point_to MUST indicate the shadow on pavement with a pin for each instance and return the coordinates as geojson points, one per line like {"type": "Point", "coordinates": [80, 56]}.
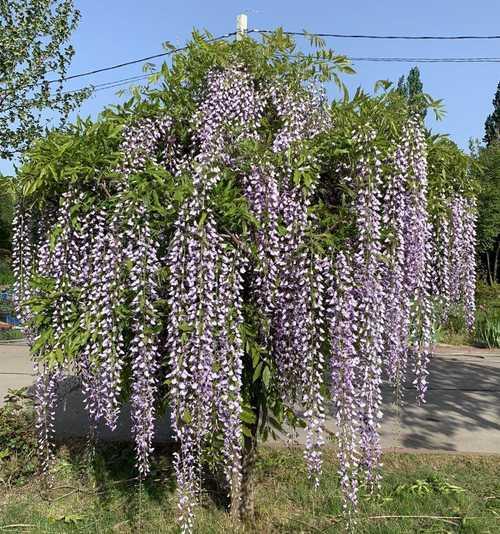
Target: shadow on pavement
{"type": "Point", "coordinates": [462, 412]}
{"type": "Point", "coordinates": [462, 409]}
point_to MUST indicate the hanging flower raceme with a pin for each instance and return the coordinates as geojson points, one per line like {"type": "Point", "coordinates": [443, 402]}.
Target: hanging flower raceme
{"type": "Point", "coordinates": [397, 297]}
{"type": "Point", "coordinates": [442, 286]}
{"type": "Point", "coordinates": [93, 249]}
{"type": "Point", "coordinates": [45, 401]}
{"type": "Point", "coordinates": [397, 301]}
{"type": "Point", "coordinates": [101, 257]}
{"type": "Point", "coordinates": [470, 266]}
{"type": "Point", "coordinates": [261, 189]}
{"type": "Point", "coordinates": [142, 252]}
{"type": "Point", "coordinates": [292, 296]}
{"type": "Point", "coordinates": [462, 274]}
{"type": "Point", "coordinates": [229, 354]}
{"type": "Point", "coordinates": [205, 351]}
{"type": "Point", "coordinates": [22, 260]}
{"type": "Point", "coordinates": [313, 336]}
{"type": "Point", "coordinates": [370, 304]}
{"type": "Point", "coordinates": [344, 365]}
{"type": "Point", "coordinates": [418, 256]}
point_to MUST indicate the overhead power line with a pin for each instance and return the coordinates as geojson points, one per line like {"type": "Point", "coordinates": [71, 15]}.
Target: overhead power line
{"type": "Point", "coordinates": [134, 61]}
{"type": "Point", "coordinates": [116, 83]}
{"type": "Point", "coordinates": [430, 59]}
{"type": "Point", "coordinates": [124, 81]}
{"type": "Point", "coordinates": [403, 37]}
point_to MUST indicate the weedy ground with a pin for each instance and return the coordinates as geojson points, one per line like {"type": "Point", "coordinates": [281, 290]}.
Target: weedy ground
{"type": "Point", "coordinates": [486, 332]}
{"type": "Point", "coordinates": [95, 491]}
{"type": "Point", "coordinates": [11, 335]}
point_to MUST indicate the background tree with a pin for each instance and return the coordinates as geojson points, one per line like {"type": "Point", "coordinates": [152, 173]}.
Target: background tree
{"type": "Point", "coordinates": [34, 50]}
{"type": "Point", "coordinates": [487, 173]}
{"type": "Point", "coordinates": [411, 88]}
{"type": "Point", "coordinates": [492, 124]}
{"type": "Point", "coordinates": [5, 222]}
{"type": "Point", "coordinates": [488, 226]}
{"type": "Point", "coordinates": [6, 213]}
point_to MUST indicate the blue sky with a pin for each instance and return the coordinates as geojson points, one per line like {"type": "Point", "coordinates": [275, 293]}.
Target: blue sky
{"type": "Point", "coordinates": [113, 31]}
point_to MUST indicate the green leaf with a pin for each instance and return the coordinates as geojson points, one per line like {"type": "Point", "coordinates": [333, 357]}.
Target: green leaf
{"type": "Point", "coordinates": [248, 416]}
{"type": "Point", "coordinates": [186, 417]}
{"type": "Point", "coordinates": [203, 217]}
{"type": "Point", "coordinates": [266, 376]}
{"type": "Point", "coordinates": [255, 356]}
{"type": "Point", "coordinates": [257, 372]}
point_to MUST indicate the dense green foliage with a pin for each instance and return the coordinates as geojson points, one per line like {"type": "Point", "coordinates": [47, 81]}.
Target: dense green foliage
{"type": "Point", "coordinates": [6, 214]}
{"type": "Point", "coordinates": [18, 461]}
{"type": "Point", "coordinates": [492, 124]}
{"type": "Point", "coordinates": [34, 50]}
{"type": "Point", "coordinates": [485, 333]}
{"type": "Point", "coordinates": [487, 173]}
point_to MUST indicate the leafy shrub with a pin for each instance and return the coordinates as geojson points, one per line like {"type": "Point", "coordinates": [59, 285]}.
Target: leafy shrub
{"type": "Point", "coordinates": [9, 335]}
{"type": "Point", "coordinates": [18, 441]}
{"type": "Point", "coordinates": [6, 275]}
{"type": "Point", "coordinates": [488, 329]}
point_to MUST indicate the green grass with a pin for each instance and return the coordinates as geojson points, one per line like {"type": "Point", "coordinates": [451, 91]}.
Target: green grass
{"type": "Point", "coordinates": [11, 335]}
{"type": "Point", "coordinates": [487, 332]}
{"type": "Point", "coordinates": [448, 493]}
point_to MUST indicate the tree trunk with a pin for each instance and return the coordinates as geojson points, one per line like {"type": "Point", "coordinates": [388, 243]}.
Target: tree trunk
{"type": "Point", "coordinates": [495, 268]}
{"type": "Point", "coordinates": [243, 508]}
{"type": "Point", "coordinates": [488, 266]}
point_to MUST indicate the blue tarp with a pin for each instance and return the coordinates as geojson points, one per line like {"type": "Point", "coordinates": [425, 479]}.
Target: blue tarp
{"type": "Point", "coordinates": [6, 296]}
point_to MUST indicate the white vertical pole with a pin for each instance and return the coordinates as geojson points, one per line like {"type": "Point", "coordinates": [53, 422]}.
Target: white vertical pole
{"type": "Point", "coordinates": [241, 26]}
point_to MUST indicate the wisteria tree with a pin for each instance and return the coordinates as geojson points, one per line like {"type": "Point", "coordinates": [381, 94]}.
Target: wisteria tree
{"type": "Point", "coordinates": [230, 244]}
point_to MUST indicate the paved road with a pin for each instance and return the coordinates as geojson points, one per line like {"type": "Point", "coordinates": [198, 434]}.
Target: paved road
{"type": "Point", "coordinates": [462, 412]}
{"type": "Point", "coordinates": [16, 370]}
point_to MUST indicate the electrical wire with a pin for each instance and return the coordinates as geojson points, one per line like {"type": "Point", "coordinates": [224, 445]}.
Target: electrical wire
{"type": "Point", "coordinates": [119, 83]}
{"type": "Point", "coordinates": [429, 59]}
{"type": "Point", "coordinates": [403, 37]}
{"type": "Point", "coordinates": [305, 34]}
{"type": "Point", "coordinates": [134, 61]}
{"type": "Point", "coordinates": [124, 81]}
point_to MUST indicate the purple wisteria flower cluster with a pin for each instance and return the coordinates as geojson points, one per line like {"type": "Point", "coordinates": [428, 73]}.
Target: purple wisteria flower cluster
{"type": "Point", "coordinates": [287, 283]}
{"type": "Point", "coordinates": [382, 297]}
{"type": "Point", "coordinates": [462, 267]}
{"type": "Point", "coordinates": [22, 260]}
{"type": "Point", "coordinates": [358, 325]}
{"type": "Point", "coordinates": [164, 305]}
